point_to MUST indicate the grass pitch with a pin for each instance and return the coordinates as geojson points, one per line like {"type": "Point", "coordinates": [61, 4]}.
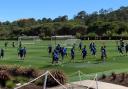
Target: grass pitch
{"type": "Point", "coordinates": [37, 57]}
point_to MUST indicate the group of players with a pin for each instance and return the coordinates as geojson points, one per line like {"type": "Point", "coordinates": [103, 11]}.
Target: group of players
{"type": "Point", "coordinates": [122, 47]}
{"type": "Point", "coordinates": [57, 51]}
{"type": "Point", "coordinates": [21, 50]}
{"type": "Point", "coordinates": [62, 51]}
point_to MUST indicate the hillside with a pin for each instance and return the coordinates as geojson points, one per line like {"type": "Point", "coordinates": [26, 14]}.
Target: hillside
{"type": "Point", "coordinates": [102, 23]}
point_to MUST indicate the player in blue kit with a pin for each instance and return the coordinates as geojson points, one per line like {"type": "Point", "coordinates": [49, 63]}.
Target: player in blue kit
{"type": "Point", "coordinates": [55, 57]}
{"type": "Point", "coordinates": [84, 52]}
{"type": "Point", "coordinates": [2, 53]}
{"type": "Point", "coordinates": [24, 52]}
{"type": "Point", "coordinates": [49, 50]}
{"type": "Point", "coordinates": [72, 54]}
{"type": "Point", "coordinates": [103, 54]}
{"type": "Point", "coordinates": [21, 53]}
{"type": "Point", "coordinates": [80, 45]}
{"type": "Point", "coordinates": [92, 47]}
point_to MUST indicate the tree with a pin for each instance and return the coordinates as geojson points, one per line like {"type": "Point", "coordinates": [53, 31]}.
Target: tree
{"type": "Point", "coordinates": [106, 22]}
{"type": "Point", "coordinates": [65, 30]}
{"type": "Point", "coordinates": [6, 23]}
{"type": "Point", "coordinates": [61, 19]}
{"type": "Point", "coordinates": [82, 15]}
{"type": "Point", "coordinates": [79, 29]}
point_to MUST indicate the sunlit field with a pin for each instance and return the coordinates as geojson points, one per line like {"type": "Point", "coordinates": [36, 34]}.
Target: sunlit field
{"type": "Point", "coordinates": [37, 57]}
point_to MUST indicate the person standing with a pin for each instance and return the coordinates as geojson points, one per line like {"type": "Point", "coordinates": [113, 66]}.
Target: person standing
{"type": "Point", "coordinates": [103, 54]}
{"type": "Point", "coordinates": [72, 54]}
{"type": "Point", "coordinates": [55, 57]}
{"type": "Point", "coordinates": [21, 53]}
{"type": "Point", "coordinates": [13, 44]}
{"type": "Point", "coordinates": [20, 44]}
{"type": "Point", "coordinates": [122, 45]}
{"type": "Point", "coordinates": [80, 45]}
{"type": "Point", "coordinates": [2, 53]}
{"type": "Point", "coordinates": [126, 48]}
{"type": "Point", "coordinates": [62, 53]}
{"type": "Point", "coordinates": [24, 52]}
{"type": "Point", "coordinates": [91, 47]}
{"type": "Point", "coordinates": [84, 52]}
{"type": "Point", "coordinates": [94, 51]}
{"type": "Point", "coordinates": [120, 50]}
{"type": "Point", "coordinates": [65, 51]}
{"type": "Point", "coordinates": [49, 50]}
{"type": "Point", "coordinates": [6, 44]}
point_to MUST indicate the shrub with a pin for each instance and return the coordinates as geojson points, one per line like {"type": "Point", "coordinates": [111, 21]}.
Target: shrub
{"type": "Point", "coordinates": [4, 76]}
{"type": "Point", "coordinates": [59, 75]}
{"type": "Point", "coordinates": [103, 76]}
{"type": "Point", "coordinates": [113, 76]}
{"type": "Point", "coordinates": [122, 77]}
{"type": "Point", "coordinates": [20, 79]}
{"type": "Point", "coordinates": [3, 68]}
{"type": "Point", "coordinates": [92, 34]}
{"type": "Point", "coordinates": [39, 82]}
{"type": "Point", "coordinates": [78, 35]}
{"type": "Point", "coordinates": [27, 72]}
{"type": "Point", "coordinates": [14, 71]}
{"type": "Point", "coordinates": [10, 84]}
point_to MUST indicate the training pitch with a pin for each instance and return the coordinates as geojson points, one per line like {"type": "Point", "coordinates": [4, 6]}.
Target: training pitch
{"type": "Point", "coordinates": [37, 57]}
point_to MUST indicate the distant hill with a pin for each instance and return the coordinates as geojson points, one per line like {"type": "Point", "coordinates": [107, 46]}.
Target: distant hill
{"type": "Point", "coordinates": [99, 23]}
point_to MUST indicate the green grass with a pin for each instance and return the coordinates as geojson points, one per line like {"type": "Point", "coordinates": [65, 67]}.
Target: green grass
{"type": "Point", "coordinates": [37, 57]}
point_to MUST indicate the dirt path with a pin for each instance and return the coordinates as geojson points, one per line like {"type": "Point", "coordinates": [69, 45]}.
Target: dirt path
{"type": "Point", "coordinates": [101, 85]}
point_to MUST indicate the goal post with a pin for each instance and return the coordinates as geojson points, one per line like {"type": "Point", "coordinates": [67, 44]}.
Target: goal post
{"type": "Point", "coordinates": [28, 39]}
{"type": "Point", "coordinates": [64, 40]}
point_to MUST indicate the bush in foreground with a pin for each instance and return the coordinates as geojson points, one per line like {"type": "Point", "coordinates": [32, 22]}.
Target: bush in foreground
{"type": "Point", "coordinates": [57, 74]}
{"type": "Point", "coordinates": [4, 76]}
{"type": "Point", "coordinates": [26, 72]}
{"type": "Point", "coordinates": [10, 84]}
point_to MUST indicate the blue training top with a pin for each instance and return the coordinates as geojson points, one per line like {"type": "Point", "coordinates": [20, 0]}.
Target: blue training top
{"type": "Point", "coordinates": [65, 50]}
{"type": "Point", "coordinates": [103, 51]}
{"type": "Point", "coordinates": [84, 51]}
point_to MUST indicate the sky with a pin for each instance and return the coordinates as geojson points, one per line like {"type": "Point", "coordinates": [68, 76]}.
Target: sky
{"type": "Point", "coordinates": [18, 9]}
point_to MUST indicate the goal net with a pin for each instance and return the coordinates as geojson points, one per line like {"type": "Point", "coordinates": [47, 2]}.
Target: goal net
{"type": "Point", "coordinates": [66, 40]}
{"type": "Point", "coordinates": [28, 39]}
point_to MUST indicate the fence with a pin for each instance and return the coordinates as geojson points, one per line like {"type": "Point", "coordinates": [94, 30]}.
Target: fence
{"type": "Point", "coordinates": [79, 73]}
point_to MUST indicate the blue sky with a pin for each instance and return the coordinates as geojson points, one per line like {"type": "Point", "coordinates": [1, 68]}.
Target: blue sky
{"type": "Point", "coordinates": [17, 9]}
